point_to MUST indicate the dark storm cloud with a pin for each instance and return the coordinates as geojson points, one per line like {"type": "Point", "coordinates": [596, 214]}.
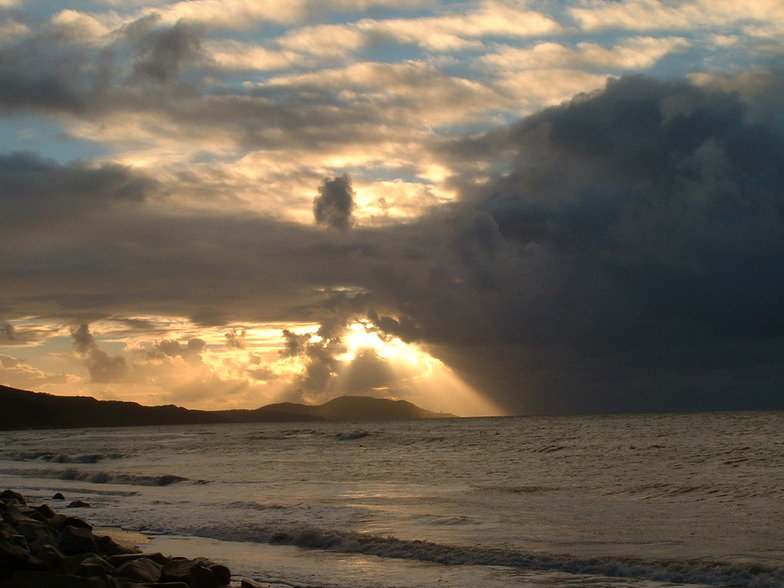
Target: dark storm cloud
{"type": "Point", "coordinates": [334, 204]}
{"type": "Point", "coordinates": [636, 244]}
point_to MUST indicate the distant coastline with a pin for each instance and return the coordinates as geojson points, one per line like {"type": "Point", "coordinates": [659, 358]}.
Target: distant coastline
{"type": "Point", "coordinates": [24, 409]}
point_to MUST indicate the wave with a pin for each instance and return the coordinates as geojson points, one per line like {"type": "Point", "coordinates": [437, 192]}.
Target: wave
{"type": "Point", "coordinates": [695, 491]}
{"type": "Point", "coordinates": [64, 458]}
{"type": "Point", "coordinates": [101, 477]}
{"type": "Point", "coordinates": [111, 478]}
{"type": "Point", "coordinates": [694, 571]}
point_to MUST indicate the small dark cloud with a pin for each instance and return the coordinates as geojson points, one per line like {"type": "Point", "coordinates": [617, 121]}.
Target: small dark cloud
{"type": "Point", "coordinates": [235, 339]}
{"type": "Point", "coordinates": [334, 205]}
{"type": "Point", "coordinates": [162, 53]}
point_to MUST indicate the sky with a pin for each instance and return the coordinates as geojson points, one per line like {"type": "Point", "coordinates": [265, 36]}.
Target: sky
{"type": "Point", "coordinates": [483, 207]}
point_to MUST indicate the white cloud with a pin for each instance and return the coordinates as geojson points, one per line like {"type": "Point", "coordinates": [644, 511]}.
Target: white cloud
{"type": "Point", "coordinates": [228, 54]}
{"type": "Point", "coordinates": [631, 54]}
{"type": "Point", "coordinates": [650, 15]}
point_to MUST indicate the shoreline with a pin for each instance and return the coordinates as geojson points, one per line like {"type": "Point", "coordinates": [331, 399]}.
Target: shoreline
{"type": "Point", "coordinates": [40, 546]}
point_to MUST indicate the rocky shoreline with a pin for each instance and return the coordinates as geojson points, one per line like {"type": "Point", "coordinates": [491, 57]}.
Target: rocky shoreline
{"type": "Point", "coordinates": [41, 548]}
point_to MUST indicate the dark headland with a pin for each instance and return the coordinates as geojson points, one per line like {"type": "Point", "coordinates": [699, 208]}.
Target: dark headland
{"type": "Point", "coordinates": [23, 409]}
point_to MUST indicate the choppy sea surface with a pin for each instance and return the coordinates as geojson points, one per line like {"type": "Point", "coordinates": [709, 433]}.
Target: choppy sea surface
{"type": "Point", "coordinates": [619, 501]}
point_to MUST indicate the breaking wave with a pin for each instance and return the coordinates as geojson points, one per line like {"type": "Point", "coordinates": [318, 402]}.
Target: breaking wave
{"type": "Point", "coordinates": [694, 571]}
{"type": "Point", "coordinates": [94, 477]}
{"type": "Point", "coordinates": [111, 478]}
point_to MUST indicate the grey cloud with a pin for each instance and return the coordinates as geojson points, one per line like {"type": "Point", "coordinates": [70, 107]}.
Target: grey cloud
{"type": "Point", "coordinates": [10, 335]}
{"type": "Point", "coordinates": [235, 339]}
{"type": "Point", "coordinates": [334, 205]}
{"type": "Point", "coordinates": [103, 368]}
{"type": "Point", "coordinates": [163, 53]}
{"type": "Point", "coordinates": [35, 191]}
{"type": "Point", "coordinates": [53, 69]}
{"type": "Point", "coordinates": [173, 348]}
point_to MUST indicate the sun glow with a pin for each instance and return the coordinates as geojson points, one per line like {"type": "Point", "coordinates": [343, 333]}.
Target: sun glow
{"type": "Point", "coordinates": [364, 336]}
{"type": "Point", "coordinates": [411, 373]}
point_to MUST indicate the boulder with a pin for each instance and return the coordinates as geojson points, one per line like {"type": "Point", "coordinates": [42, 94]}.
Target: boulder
{"type": "Point", "coordinates": [141, 569]}
{"type": "Point", "coordinates": [73, 540]}
{"type": "Point", "coordinates": [78, 504]}
{"type": "Point", "coordinates": [198, 573]}
{"type": "Point", "coordinates": [40, 579]}
{"type": "Point", "coordinates": [76, 522]}
{"type": "Point", "coordinates": [12, 497]}
{"type": "Point", "coordinates": [46, 511]}
{"type": "Point", "coordinates": [108, 546]}
{"type": "Point", "coordinates": [41, 548]}
{"type": "Point", "coordinates": [118, 560]}
{"type": "Point", "coordinates": [14, 558]}
{"type": "Point", "coordinates": [202, 577]}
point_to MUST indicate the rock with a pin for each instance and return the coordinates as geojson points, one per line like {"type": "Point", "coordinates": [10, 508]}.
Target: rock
{"type": "Point", "coordinates": [198, 573]}
{"type": "Point", "coordinates": [76, 522]}
{"type": "Point", "coordinates": [95, 566]}
{"type": "Point", "coordinates": [58, 496]}
{"type": "Point", "coordinates": [177, 570]}
{"type": "Point", "coordinates": [14, 558]}
{"type": "Point", "coordinates": [40, 548]}
{"type": "Point", "coordinates": [33, 530]}
{"type": "Point", "coordinates": [79, 504]}
{"type": "Point", "coordinates": [73, 540]}
{"type": "Point", "coordinates": [202, 577]}
{"type": "Point", "coordinates": [50, 556]}
{"type": "Point", "coordinates": [42, 542]}
{"type": "Point", "coordinates": [38, 579]}
{"type": "Point", "coordinates": [58, 520]}
{"type": "Point", "coordinates": [46, 511]}
{"type": "Point", "coordinates": [118, 560]}
{"type": "Point", "coordinates": [222, 574]}
{"type": "Point", "coordinates": [12, 497]}
{"type": "Point", "coordinates": [108, 546]}
{"type": "Point", "coordinates": [141, 569]}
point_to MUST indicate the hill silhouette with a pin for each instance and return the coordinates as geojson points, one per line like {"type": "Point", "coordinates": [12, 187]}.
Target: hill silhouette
{"type": "Point", "coordinates": [23, 409]}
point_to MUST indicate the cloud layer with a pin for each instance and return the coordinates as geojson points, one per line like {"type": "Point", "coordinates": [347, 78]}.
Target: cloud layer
{"type": "Point", "coordinates": [573, 207]}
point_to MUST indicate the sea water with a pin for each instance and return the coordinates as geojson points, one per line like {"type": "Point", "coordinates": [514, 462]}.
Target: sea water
{"type": "Point", "coordinates": [618, 500]}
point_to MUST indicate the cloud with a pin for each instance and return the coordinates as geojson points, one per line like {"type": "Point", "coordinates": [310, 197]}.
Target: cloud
{"type": "Point", "coordinates": [630, 54]}
{"type": "Point", "coordinates": [163, 53]}
{"type": "Point", "coordinates": [103, 368]}
{"type": "Point", "coordinates": [632, 245]}
{"type": "Point", "coordinates": [335, 203]}
{"type": "Point", "coordinates": [35, 191]}
{"type": "Point", "coordinates": [658, 15]}
{"type": "Point", "coordinates": [19, 373]}
{"type": "Point", "coordinates": [235, 339]}
{"type": "Point", "coordinates": [13, 336]}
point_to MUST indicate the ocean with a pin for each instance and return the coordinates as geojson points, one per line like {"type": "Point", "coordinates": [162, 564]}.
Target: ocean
{"type": "Point", "coordinates": [616, 500]}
